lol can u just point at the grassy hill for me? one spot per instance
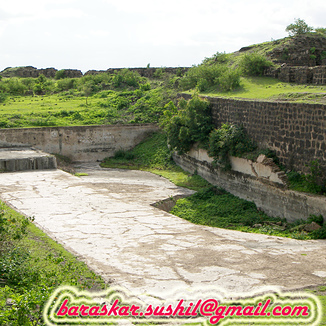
(125, 97)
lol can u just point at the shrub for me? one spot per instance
(60, 74)
(3, 97)
(215, 75)
(229, 80)
(196, 76)
(254, 64)
(218, 57)
(228, 140)
(159, 73)
(14, 86)
(191, 123)
(202, 84)
(145, 87)
(66, 84)
(126, 77)
(317, 219)
(38, 89)
(319, 234)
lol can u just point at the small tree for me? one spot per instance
(254, 64)
(298, 28)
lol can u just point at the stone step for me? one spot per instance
(23, 159)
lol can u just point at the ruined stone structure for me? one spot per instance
(302, 59)
(33, 72)
(296, 131)
(300, 75)
(28, 71)
(144, 72)
(301, 50)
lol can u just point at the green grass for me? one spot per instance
(267, 88)
(72, 108)
(31, 268)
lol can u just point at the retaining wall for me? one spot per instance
(271, 197)
(82, 143)
(296, 131)
(300, 75)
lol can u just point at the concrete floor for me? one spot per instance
(107, 220)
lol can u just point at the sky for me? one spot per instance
(102, 34)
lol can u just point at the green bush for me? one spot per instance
(203, 85)
(313, 182)
(229, 80)
(3, 97)
(60, 74)
(229, 140)
(218, 57)
(319, 234)
(198, 75)
(126, 77)
(66, 84)
(254, 64)
(190, 124)
(14, 86)
(38, 89)
(317, 219)
(159, 73)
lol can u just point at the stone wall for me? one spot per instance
(144, 72)
(84, 143)
(300, 75)
(272, 199)
(33, 72)
(30, 71)
(296, 131)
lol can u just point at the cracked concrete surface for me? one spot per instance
(107, 220)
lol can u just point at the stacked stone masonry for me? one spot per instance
(300, 75)
(296, 131)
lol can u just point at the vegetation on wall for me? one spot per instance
(313, 182)
(191, 122)
(229, 140)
